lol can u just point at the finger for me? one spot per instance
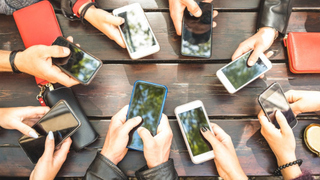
(283, 123)
(70, 38)
(258, 50)
(164, 124)
(219, 133)
(111, 19)
(34, 112)
(61, 155)
(118, 39)
(264, 121)
(269, 54)
(130, 124)
(145, 135)
(58, 76)
(25, 129)
(214, 14)
(49, 147)
(292, 96)
(193, 7)
(208, 135)
(54, 51)
(121, 115)
(242, 48)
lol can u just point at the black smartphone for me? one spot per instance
(147, 101)
(197, 32)
(61, 120)
(80, 65)
(273, 99)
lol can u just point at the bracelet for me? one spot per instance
(11, 60)
(277, 172)
(85, 9)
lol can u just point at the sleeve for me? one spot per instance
(70, 8)
(102, 168)
(275, 14)
(8, 7)
(306, 175)
(165, 171)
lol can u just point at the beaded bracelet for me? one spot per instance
(85, 9)
(277, 172)
(11, 60)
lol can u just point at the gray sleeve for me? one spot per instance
(9, 6)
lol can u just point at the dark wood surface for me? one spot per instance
(187, 79)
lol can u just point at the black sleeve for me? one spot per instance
(102, 168)
(165, 171)
(275, 13)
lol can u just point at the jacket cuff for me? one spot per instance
(102, 168)
(275, 14)
(163, 171)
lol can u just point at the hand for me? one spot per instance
(259, 42)
(106, 23)
(115, 145)
(282, 143)
(303, 101)
(51, 161)
(36, 61)
(156, 149)
(177, 7)
(226, 159)
(20, 117)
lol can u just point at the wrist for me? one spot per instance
(83, 5)
(270, 31)
(154, 164)
(235, 175)
(285, 158)
(18, 61)
(110, 156)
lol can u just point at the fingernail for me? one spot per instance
(204, 129)
(198, 13)
(66, 51)
(33, 134)
(50, 135)
(122, 21)
(270, 53)
(250, 63)
(138, 118)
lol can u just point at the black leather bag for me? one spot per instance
(85, 135)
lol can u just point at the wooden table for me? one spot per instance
(187, 79)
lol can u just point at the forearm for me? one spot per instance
(275, 14)
(4, 61)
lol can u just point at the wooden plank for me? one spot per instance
(255, 156)
(111, 88)
(232, 29)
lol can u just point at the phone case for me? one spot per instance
(86, 133)
(164, 99)
(37, 24)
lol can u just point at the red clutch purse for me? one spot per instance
(37, 24)
(303, 52)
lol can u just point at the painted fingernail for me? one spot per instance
(204, 129)
(66, 51)
(50, 134)
(198, 13)
(33, 134)
(250, 63)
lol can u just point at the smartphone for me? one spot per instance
(273, 99)
(197, 32)
(80, 65)
(237, 74)
(136, 31)
(61, 120)
(147, 101)
(191, 117)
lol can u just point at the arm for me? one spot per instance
(156, 151)
(8, 7)
(104, 166)
(273, 19)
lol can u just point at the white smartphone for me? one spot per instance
(136, 31)
(191, 117)
(237, 74)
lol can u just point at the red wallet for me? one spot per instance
(37, 24)
(303, 52)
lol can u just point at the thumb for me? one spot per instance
(49, 147)
(25, 129)
(55, 51)
(117, 21)
(208, 135)
(145, 135)
(282, 121)
(193, 8)
(131, 123)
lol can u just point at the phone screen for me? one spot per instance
(136, 30)
(59, 120)
(274, 99)
(196, 32)
(78, 64)
(191, 122)
(147, 101)
(238, 73)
